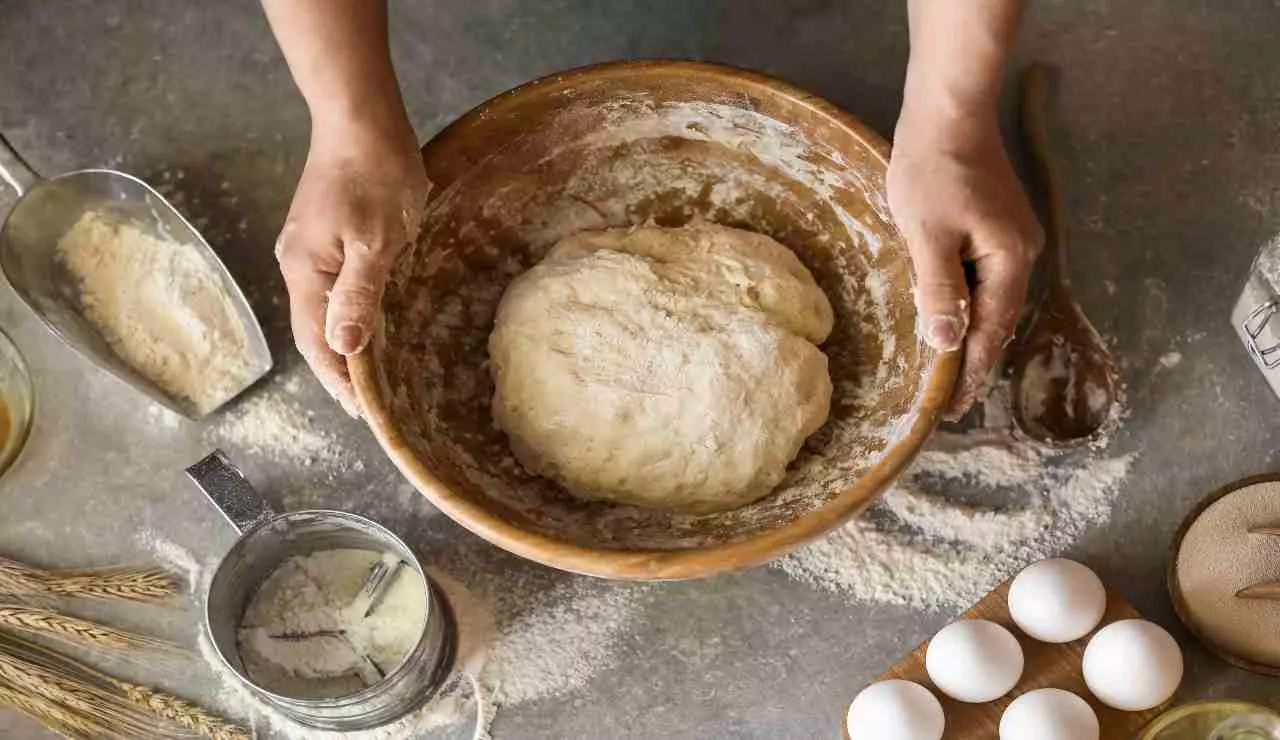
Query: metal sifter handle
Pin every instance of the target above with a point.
(230, 491)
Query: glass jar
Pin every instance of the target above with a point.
(17, 402)
(1255, 315)
(1215, 720)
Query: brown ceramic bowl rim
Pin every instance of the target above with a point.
(940, 375)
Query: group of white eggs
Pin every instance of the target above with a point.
(1131, 665)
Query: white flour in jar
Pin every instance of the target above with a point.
(160, 306)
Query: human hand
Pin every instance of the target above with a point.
(357, 205)
(955, 198)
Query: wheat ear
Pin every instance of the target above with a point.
(17, 578)
(60, 719)
(182, 713)
(76, 630)
(125, 584)
(76, 697)
(37, 671)
(143, 584)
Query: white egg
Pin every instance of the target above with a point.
(974, 661)
(1132, 665)
(896, 710)
(1057, 600)
(1049, 714)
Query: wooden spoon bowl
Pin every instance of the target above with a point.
(1064, 379)
(623, 144)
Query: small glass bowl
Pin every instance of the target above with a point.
(17, 402)
(1215, 720)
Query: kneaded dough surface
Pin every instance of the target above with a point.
(665, 367)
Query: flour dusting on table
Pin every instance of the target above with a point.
(924, 545)
(271, 423)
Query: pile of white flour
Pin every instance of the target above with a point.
(160, 306)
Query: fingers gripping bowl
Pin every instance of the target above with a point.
(630, 143)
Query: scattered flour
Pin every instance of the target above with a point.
(176, 558)
(272, 425)
(162, 418)
(559, 643)
(924, 545)
(1170, 360)
(160, 306)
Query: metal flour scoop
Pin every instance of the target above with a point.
(47, 209)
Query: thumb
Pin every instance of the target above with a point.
(942, 295)
(353, 302)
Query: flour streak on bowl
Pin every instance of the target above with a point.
(623, 145)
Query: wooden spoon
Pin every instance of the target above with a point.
(1064, 380)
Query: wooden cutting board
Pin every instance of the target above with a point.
(1056, 666)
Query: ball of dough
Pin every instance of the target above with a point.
(1057, 600)
(974, 661)
(1132, 665)
(671, 368)
(1049, 714)
(895, 710)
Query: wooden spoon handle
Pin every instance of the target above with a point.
(1273, 531)
(1269, 591)
(1035, 130)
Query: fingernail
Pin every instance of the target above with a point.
(348, 338)
(944, 333)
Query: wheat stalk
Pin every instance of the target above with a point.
(56, 717)
(144, 584)
(16, 578)
(39, 672)
(134, 711)
(125, 584)
(76, 630)
(75, 696)
(182, 713)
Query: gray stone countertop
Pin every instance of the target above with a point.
(1170, 123)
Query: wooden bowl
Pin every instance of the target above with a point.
(627, 143)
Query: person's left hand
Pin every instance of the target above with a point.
(955, 198)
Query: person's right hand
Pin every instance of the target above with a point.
(955, 197)
(356, 207)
